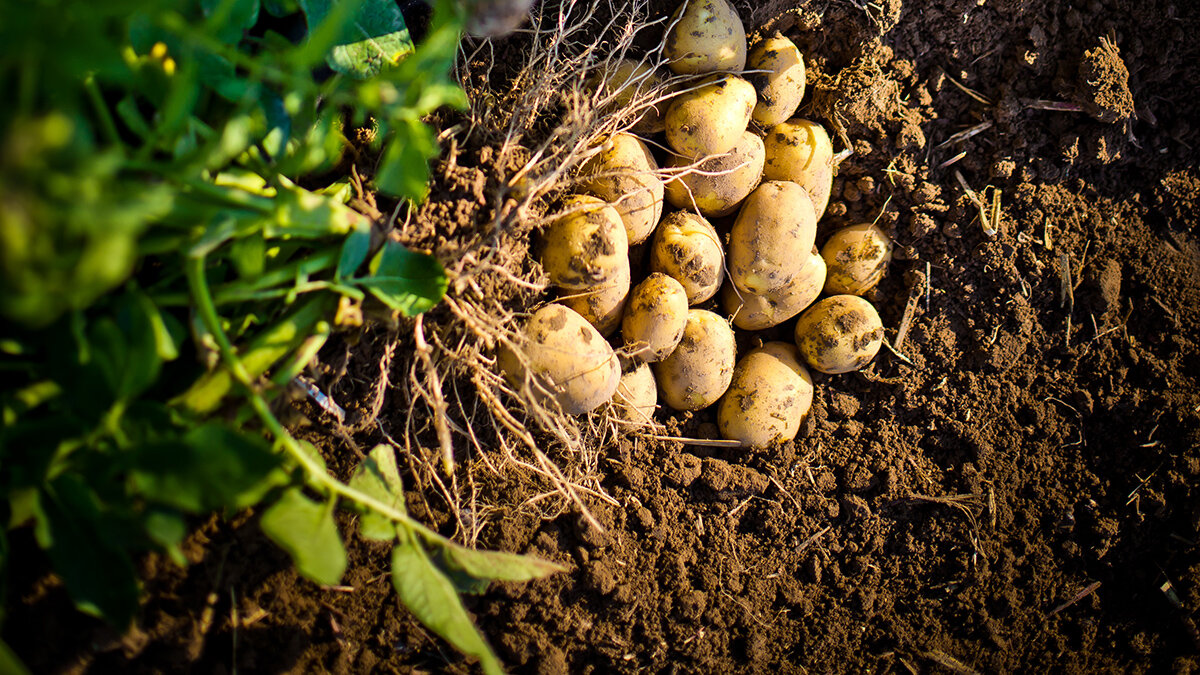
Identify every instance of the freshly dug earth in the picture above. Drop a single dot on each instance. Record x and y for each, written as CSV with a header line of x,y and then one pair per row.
x,y
1019,492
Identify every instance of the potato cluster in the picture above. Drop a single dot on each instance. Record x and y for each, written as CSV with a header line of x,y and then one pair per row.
x,y
737,152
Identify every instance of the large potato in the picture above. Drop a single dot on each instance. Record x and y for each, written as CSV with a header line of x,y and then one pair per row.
x,y
636,395
768,398
756,312
698,372
587,246
710,119
688,249
772,237
626,81
623,174
654,318
839,334
781,88
603,304
857,257
719,184
800,151
705,36
566,357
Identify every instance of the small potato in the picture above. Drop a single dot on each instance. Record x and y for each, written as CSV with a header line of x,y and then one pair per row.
x,y
698,372
630,79
587,247
857,257
705,36
772,237
654,318
839,334
688,249
636,395
781,89
623,174
756,312
567,357
710,120
720,183
603,304
768,397
800,151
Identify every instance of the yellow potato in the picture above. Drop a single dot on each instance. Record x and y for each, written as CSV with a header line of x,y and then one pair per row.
x,y
839,334
627,81
654,318
857,257
756,312
781,89
687,248
603,304
768,398
705,36
719,183
566,358
772,237
800,151
710,120
636,395
698,372
586,247
623,174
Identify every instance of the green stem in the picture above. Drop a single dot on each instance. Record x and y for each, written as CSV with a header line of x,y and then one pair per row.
x,y
106,119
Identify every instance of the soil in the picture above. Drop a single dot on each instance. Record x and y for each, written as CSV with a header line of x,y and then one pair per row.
x,y
1015,489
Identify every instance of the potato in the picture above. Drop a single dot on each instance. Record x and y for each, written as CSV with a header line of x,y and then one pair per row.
x,y
768,397
772,237
720,183
710,120
698,372
800,151
603,304
567,357
636,395
623,84
687,248
654,318
705,36
857,257
623,174
839,334
781,89
756,312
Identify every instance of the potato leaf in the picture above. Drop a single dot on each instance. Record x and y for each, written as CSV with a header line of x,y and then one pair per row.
x,y
378,477
305,529
376,38
9,663
410,283
497,565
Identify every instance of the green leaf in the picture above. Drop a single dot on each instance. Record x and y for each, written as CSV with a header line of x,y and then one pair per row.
x,y
230,17
497,565
305,529
410,283
375,38
354,252
404,169
9,663
378,477
432,598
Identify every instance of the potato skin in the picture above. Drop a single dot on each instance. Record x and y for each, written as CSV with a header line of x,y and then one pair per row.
x,y
636,395
688,249
781,90
857,257
732,176
624,82
567,356
586,247
603,304
623,174
756,312
698,372
710,120
709,36
800,151
839,334
655,317
772,237
769,396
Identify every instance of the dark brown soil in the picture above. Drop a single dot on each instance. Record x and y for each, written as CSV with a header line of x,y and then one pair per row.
x,y
1020,492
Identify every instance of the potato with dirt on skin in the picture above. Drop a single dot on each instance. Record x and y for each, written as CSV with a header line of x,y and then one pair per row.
x,y
769,396
623,173
757,312
857,257
772,237
717,185
698,372
687,248
839,334
636,395
655,316
800,151
781,88
586,246
710,119
705,36
630,79
603,304
566,356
